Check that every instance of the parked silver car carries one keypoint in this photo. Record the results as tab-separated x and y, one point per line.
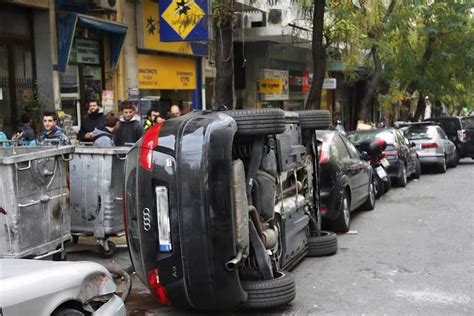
35	287
432	145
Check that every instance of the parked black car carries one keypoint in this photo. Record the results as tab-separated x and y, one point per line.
460	130
402	155
218	204
347	181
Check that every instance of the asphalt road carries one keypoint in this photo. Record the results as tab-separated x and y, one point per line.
414	254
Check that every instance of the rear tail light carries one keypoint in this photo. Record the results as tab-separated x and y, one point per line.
156	287
429	145
324	210
149	142
462	135
324	154
162	208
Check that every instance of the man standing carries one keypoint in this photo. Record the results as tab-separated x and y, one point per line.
175	111
105	137
130	129
151	116
94	119
25	134
52	134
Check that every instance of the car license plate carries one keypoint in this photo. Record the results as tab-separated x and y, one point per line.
384	162
381	172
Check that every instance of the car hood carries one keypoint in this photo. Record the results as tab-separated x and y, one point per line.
25	279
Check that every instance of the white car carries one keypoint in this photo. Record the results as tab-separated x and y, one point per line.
35	287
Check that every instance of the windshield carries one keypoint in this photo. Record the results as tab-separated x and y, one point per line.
468	122
419	132
357	138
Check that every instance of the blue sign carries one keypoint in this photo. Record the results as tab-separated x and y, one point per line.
183	20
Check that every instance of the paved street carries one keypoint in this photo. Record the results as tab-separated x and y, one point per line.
414	254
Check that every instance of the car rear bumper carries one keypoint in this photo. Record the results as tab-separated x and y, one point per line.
395	168
430	159
114	306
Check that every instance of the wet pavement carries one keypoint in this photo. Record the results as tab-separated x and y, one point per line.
414	254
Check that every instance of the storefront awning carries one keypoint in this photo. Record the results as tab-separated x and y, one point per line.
66	26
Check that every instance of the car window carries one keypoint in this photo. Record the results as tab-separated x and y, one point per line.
359	137
350	148
468	122
402	140
338	149
419	132
450	126
441	133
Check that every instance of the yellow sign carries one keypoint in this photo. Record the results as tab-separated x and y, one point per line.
151	32
270	86
166	72
183	16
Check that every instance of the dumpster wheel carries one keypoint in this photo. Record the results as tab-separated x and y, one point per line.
107	253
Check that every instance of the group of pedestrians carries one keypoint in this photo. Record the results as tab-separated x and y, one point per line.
102	130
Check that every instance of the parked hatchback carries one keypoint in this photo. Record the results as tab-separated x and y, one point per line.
346	180
433	145
401	155
460	130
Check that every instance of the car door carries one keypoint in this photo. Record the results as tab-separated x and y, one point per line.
411	153
361	171
343	158
404	151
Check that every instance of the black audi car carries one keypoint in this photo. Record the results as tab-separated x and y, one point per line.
347	181
400	153
219	205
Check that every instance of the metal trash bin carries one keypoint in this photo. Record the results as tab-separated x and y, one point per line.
97	184
34	207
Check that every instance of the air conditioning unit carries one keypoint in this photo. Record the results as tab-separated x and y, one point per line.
109	5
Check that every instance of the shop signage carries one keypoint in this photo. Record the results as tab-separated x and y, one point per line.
299	81
183	20
329	84
85	51
279	76
270	86
157	72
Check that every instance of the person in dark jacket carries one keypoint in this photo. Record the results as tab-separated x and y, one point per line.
130	129
52	134
94	119
151	116
105	137
25	134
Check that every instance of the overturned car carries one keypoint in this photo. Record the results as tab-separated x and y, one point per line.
219	205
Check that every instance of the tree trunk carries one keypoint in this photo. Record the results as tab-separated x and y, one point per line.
369	96
420	108
319	56
224	56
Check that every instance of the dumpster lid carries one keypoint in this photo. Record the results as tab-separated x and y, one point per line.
103	150
11	155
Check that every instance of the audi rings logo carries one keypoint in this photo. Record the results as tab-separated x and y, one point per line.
146	219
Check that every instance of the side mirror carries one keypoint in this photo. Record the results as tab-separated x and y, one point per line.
364	156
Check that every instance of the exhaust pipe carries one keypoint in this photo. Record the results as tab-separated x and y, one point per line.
231	265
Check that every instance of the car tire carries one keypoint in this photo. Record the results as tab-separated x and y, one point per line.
387	185
270	293
323	245
107	254
68	312
442	166
379	187
403	180
315	119
254	122
417	173
342	223
369	204
455	160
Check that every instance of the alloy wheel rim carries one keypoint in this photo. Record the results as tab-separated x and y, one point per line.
346	211
372	193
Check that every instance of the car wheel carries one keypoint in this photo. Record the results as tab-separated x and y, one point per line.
402	181
253	122
315	119
343	221
108	253
442	166
323	245
369	204
270	293
387	185
379	187
455	160
68	312
417	173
